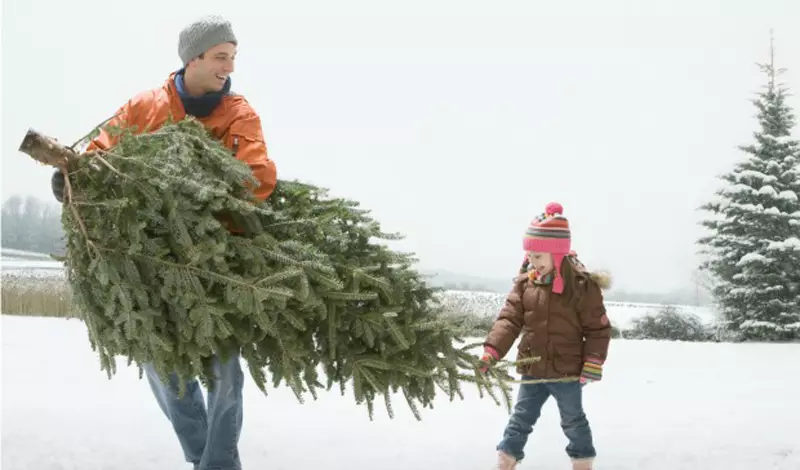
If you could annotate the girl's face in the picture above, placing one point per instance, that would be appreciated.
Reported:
(542, 262)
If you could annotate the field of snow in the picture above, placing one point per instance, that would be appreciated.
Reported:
(661, 406)
(11, 253)
(621, 313)
(482, 304)
(29, 264)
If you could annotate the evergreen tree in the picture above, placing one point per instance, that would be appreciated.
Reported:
(305, 290)
(32, 225)
(754, 245)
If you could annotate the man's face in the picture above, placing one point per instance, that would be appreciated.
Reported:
(210, 72)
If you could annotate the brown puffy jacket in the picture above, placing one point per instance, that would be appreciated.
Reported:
(561, 336)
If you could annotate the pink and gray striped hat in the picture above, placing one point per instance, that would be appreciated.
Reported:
(550, 233)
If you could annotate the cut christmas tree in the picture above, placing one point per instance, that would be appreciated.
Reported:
(301, 288)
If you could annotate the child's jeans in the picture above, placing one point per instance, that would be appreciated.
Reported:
(530, 399)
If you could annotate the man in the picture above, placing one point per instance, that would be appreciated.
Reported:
(207, 48)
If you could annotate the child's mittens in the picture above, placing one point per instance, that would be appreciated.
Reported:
(489, 357)
(592, 370)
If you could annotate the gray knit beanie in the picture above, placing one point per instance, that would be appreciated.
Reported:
(202, 35)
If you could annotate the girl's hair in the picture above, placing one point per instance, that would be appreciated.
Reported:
(576, 278)
(574, 282)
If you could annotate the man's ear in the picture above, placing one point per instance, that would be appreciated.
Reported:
(193, 62)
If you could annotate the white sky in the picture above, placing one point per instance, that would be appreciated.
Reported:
(455, 121)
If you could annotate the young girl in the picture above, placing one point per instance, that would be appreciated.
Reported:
(558, 307)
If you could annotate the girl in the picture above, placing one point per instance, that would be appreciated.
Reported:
(558, 307)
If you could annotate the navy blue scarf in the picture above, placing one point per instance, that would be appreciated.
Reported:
(200, 106)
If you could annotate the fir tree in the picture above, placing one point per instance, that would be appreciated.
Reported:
(754, 243)
(305, 291)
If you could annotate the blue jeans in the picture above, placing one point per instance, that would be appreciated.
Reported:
(209, 438)
(528, 408)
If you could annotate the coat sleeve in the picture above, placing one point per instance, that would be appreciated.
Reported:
(509, 322)
(246, 138)
(125, 115)
(595, 323)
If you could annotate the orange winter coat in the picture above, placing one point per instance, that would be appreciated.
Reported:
(233, 121)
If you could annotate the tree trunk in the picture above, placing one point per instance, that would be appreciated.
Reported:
(47, 150)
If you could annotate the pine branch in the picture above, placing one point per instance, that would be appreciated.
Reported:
(306, 288)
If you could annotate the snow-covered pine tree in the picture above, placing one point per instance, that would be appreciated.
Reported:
(754, 243)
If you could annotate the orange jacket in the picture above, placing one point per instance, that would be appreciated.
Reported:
(234, 122)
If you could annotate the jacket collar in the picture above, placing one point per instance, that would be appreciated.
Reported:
(197, 106)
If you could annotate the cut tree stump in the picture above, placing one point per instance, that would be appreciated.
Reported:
(47, 150)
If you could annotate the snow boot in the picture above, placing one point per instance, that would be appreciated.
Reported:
(505, 461)
(582, 464)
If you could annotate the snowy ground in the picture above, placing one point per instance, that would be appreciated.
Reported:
(621, 314)
(662, 406)
(39, 266)
(11, 253)
(29, 264)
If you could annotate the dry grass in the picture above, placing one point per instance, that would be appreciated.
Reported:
(39, 297)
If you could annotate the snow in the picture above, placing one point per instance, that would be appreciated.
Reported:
(784, 139)
(747, 207)
(792, 244)
(29, 264)
(768, 190)
(738, 188)
(31, 268)
(759, 324)
(752, 258)
(741, 291)
(32, 265)
(661, 406)
(788, 195)
(721, 202)
(757, 175)
(22, 254)
(621, 314)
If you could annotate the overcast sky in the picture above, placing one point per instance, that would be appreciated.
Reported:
(455, 121)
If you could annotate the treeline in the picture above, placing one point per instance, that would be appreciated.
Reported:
(698, 296)
(32, 225)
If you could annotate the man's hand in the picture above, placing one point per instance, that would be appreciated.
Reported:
(57, 185)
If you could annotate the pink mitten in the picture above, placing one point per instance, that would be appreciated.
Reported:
(490, 356)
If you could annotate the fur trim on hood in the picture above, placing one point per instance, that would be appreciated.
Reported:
(602, 278)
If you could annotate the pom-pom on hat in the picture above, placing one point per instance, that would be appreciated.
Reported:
(550, 233)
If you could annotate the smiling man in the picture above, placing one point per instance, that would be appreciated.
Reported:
(209, 436)
(202, 89)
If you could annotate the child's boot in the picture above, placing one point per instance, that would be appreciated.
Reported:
(505, 461)
(582, 464)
